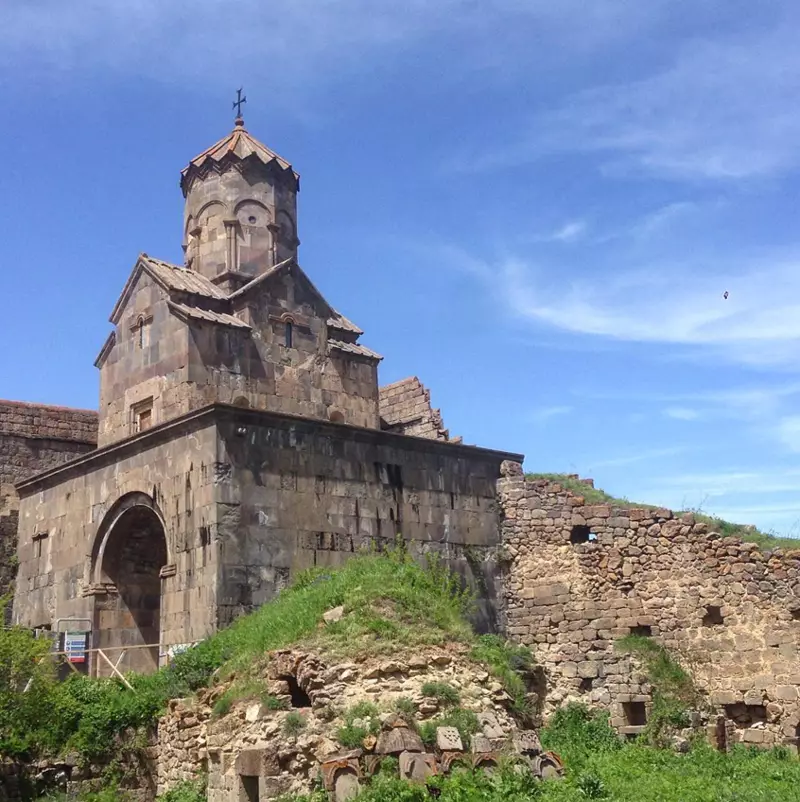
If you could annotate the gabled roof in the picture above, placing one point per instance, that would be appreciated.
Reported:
(341, 323)
(194, 312)
(353, 348)
(171, 278)
(238, 145)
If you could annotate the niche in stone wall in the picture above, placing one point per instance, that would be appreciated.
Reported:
(642, 630)
(299, 697)
(249, 789)
(743, 715)
(713, 617)
(795, 613)
(580, 533)
(635, 713)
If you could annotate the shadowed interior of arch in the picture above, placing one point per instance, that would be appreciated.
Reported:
(129, 614)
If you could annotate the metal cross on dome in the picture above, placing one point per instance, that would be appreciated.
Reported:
(237, 104)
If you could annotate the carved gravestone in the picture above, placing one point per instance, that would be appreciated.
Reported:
(417, 766)
(345, 786)
(527, 742)
(397, 740)
(448, 739)
(490, 725)
(481, 744)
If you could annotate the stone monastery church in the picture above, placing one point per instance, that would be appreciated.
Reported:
(241, 435)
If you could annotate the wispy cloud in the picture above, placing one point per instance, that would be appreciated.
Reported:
(546, 413)
(788, 433)
(215, 41)
(682, 305)
(725, 108)
(682, 413)
(569, 231)
(640, 456)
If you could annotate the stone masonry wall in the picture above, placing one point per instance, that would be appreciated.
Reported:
(405, 408)
(581, 576)
(34, 438)
(65, 516)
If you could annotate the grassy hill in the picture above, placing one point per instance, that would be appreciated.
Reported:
(390, 605)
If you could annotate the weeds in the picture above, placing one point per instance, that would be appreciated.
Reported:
(443, 692)
(294, 724)
(673, 691)
(360, 721)
(510, 663)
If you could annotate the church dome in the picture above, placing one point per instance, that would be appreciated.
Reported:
(237, 146)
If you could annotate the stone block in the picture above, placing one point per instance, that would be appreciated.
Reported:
(448, 739)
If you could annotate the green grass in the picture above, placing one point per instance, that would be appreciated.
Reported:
(672, 688)
(360, 721)
(443, 692)
(601, 766)
(765, 540)
(246, 689)
(511, 663)
(294, 723)
(391, 603)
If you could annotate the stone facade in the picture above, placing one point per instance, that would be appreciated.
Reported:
(167, 535)
(33, 438)
(581, 576)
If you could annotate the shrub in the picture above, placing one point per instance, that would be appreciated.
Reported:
(186, 791)
(673, 691)
(360, 721)
(443, 692)
(294, 723)
(406, 708)
(575, 732)
(512, 664)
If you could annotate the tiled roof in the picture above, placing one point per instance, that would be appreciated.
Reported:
(222, 318)
(239, 144)
(352, 348)
(341, 323)
(182, 280)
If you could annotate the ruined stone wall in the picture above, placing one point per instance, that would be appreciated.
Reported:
(250, 749)
(581, 576)
(34, 438)
(405, 408)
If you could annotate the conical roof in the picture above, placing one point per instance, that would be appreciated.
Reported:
(237, 145)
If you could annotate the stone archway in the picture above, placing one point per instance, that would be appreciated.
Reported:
(130, 553)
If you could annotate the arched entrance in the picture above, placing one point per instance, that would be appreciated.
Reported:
(131, 550)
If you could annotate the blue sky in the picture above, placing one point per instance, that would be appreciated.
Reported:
(535, 206)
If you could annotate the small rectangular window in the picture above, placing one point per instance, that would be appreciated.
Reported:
(288, 334)
(142, 416)
(635, 713)
(38, 541)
